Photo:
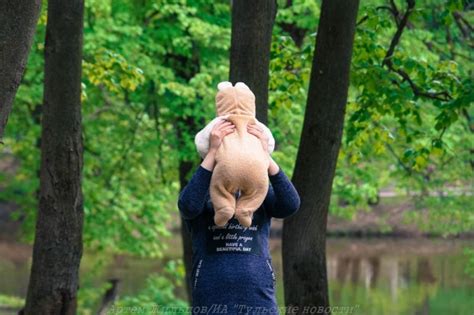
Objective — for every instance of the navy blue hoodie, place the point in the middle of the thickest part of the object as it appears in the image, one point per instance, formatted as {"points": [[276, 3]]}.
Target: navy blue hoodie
{"points": [[232, 269]]}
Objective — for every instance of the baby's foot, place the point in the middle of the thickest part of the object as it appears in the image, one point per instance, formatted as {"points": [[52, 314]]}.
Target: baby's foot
{"points": [[223, 215], [244, 217]]}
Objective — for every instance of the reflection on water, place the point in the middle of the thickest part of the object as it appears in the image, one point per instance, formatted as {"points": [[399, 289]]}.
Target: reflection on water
{"points": [[376, 276], [400, 276], [396, 276]]}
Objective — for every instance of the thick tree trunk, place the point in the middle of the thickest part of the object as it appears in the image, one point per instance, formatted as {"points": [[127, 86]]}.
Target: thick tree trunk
{"points": [[57, 250], [304, 234], [18, 20], [252, 24]]}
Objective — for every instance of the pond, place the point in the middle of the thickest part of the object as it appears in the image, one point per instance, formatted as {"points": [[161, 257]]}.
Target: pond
{"points": [[372, 275]]}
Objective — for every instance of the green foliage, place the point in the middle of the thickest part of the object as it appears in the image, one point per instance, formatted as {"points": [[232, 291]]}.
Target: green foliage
{"points": [[414, 134], [469, 252], [356, 188], [90, 293], [444, 216], [11, 301], [413, 129], [301, 14], [150, 71], [149, 76], [111, 70], [147, 65], [289, 74], [158, 296], [383, 94]]}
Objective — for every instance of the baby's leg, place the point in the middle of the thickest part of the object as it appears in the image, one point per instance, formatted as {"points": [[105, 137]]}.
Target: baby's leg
{"points": [[251, 199], [222, 197]]}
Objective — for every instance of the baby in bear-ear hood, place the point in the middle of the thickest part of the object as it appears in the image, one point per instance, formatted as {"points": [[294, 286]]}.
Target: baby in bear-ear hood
{"points": [[244, 104], [241, 161]]}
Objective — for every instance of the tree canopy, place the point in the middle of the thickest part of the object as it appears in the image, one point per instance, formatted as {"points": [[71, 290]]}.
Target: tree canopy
{"points": [[408, 121]]}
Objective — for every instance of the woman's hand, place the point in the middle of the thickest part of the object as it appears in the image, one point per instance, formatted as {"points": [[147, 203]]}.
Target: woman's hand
{"points": [[221, 129], [257, 131]]}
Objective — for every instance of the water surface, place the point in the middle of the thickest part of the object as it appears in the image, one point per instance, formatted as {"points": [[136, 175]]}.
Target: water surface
{"points": [[379, 276]]}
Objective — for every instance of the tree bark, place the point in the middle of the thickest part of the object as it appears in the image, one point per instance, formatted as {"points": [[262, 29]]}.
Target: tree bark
{"points": [[18, 24], [252, 24], [304, 234], [57, 250]]}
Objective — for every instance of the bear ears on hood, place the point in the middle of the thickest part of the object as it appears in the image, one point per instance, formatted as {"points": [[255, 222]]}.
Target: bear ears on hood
{"points": [[226, 84], [236, 100]]}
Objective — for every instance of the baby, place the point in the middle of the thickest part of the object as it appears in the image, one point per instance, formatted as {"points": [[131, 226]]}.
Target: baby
{"points": [[202, 137], [241, 162]]}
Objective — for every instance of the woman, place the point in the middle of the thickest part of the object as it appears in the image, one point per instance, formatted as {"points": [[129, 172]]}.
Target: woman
{"points": [[232, 268]]}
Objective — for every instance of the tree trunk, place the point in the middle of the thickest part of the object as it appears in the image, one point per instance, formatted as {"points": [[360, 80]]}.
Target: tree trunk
{"points": [[252, 24], [18, 24], [304, 234], [57, 250]]}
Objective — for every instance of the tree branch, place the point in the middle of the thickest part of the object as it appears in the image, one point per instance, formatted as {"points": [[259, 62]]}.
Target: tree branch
{"points": [[387, 61], [463, 25], [398, 34]]}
